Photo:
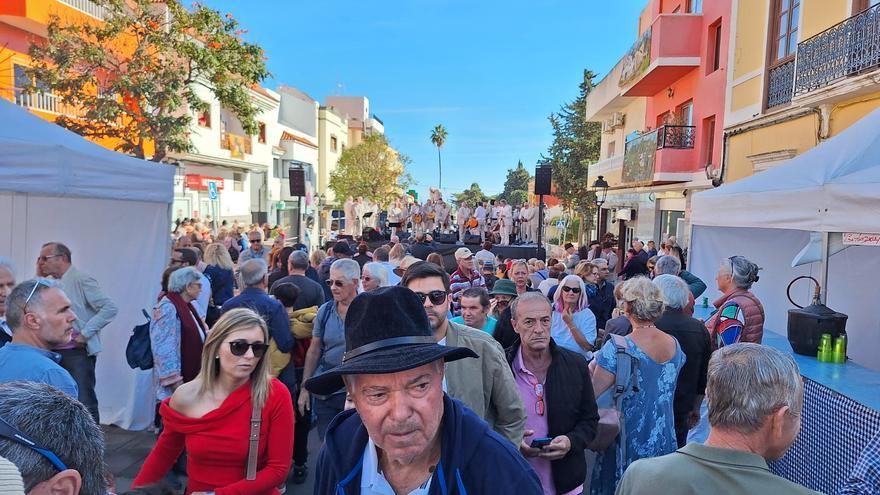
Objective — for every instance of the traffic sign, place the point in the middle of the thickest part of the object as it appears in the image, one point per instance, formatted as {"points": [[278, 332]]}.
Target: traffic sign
{"points": [[212, 190], [560, 224]]}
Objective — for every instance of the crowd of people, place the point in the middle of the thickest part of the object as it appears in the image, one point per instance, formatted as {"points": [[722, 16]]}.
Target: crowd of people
{"points": [[582, 373]]}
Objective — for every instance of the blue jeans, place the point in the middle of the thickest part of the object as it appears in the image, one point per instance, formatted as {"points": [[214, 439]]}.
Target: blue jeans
{"points": [[327, 409]]}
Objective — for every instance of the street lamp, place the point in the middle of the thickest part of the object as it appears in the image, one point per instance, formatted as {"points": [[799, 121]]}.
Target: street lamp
{"points": [[600, 188]]}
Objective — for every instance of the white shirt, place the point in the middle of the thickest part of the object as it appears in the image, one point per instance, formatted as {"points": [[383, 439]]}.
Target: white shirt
{"points": [[480, 213], [4, 327], [373, 482]]}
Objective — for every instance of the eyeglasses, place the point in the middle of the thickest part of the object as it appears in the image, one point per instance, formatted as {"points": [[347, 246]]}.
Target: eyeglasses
{"points": [[366, 279], [255, 240], [10, 433], [337, 283], [43, 259], [576, 290], [539, 393], [437, 297], [40, 282], [240, 348]]}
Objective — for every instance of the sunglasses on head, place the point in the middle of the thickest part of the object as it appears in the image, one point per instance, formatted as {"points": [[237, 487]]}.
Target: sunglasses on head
{"points": [[576, 290], [337, 283], [240, 348], [436, 297], [40, 282], [8, 432]]}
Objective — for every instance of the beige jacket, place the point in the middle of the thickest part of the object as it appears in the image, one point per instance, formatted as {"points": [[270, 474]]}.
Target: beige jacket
{"points": [[485, 385]]}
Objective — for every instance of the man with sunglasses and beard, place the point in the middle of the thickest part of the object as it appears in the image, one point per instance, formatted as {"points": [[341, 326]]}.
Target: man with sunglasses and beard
{"points": [[42, 318], [328, 342], [483, 384]]}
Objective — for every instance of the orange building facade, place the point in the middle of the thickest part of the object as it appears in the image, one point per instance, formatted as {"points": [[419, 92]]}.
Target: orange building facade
{"points": [[662, 109]]}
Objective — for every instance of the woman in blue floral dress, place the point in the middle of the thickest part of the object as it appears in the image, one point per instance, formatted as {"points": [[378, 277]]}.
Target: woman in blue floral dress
{"points": [[647, 405]]}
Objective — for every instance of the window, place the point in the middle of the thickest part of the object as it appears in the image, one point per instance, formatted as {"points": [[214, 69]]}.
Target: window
{"points": [[784, 29], [685, 113], [205, 118], [21, 80], [664, 118], [611, 147], [261, 133], [333, 143], [237, 182], [695, 7], [714, 62], [860, 5], [709, 139]]}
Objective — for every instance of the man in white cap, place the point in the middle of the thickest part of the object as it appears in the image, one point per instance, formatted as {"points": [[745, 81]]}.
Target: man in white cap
{"points": [[464, 277]]}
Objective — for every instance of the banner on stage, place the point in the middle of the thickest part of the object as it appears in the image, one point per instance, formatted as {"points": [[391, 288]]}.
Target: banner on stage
{"points": [[861, 239]]}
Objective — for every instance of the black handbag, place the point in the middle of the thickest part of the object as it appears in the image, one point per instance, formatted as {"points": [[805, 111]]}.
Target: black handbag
{"points": [[139, 351]]}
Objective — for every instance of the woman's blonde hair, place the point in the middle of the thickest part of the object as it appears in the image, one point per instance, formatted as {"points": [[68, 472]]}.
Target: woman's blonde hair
{"points": [[216, 254], [397, 253], [231, 321], [318, 256], [642, 298]]}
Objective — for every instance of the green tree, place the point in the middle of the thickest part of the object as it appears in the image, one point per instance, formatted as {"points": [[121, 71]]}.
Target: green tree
{"points": [[517, 180], [438, 137], [132, 79], [472, 195], [373, 170], [575, 146]]}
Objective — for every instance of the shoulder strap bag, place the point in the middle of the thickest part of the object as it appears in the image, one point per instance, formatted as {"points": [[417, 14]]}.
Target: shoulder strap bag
{"points": [[611, 424], [254, 442]]}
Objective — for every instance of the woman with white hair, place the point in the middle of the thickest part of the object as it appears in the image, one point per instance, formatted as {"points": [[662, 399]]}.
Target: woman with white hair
{"points": [[177, 333], [740, 315], [646, 407], [373, 276], [574, 325]]}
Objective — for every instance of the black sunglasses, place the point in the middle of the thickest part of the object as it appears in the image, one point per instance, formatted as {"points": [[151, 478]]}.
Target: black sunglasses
{"points": [[436, 297], [256, 240], [10, 433], [240, 348], [337, 283], [576, 290]]}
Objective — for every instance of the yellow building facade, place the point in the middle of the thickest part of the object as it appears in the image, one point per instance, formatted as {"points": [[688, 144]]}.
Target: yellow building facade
{"points": [[801, 71]]}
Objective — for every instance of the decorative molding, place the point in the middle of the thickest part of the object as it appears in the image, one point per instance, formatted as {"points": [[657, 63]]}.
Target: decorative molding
{"points": [[764, 161]]}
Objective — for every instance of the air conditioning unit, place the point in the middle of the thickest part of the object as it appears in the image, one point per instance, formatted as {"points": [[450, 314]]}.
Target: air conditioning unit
{"points": [[617, 119], [607, 126]]}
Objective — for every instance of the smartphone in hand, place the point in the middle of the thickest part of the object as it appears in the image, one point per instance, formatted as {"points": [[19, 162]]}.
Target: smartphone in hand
{"points": [[540, 443]]}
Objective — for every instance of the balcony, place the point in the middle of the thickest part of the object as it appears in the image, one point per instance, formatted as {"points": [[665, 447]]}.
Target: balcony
{"points": [[45, 102], [843, 50], [665, 52], [780, 83], [86, 6], [605, 98], [237, 145], [665, 154], [33, 15]]}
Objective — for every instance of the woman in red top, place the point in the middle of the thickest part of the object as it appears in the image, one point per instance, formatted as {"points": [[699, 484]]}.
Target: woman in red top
{"points": [[210, 416]]}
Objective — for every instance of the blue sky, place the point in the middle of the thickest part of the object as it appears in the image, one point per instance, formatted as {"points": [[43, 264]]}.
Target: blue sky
{"points": [[490, 71]]}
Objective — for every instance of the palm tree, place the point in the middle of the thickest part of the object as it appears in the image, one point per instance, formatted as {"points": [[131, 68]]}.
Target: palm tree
{"points": [[438, 137]]}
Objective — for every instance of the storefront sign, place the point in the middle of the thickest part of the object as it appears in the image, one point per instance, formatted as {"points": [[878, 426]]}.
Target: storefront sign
{"points": [[860, 239], [200, 182]]}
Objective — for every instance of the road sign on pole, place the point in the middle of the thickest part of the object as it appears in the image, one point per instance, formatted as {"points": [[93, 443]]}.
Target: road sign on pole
{"points": [[212, 191]]}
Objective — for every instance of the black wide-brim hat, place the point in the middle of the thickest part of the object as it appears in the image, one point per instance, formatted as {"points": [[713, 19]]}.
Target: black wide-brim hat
{"points": [[386, 331]]}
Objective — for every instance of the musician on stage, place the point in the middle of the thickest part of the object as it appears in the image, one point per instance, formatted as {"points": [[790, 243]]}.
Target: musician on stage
{"points": [[480, 214], [396, 217], [430, 215], [505, 217], [527, 214], [348, 210], [443, 215], [462, 216], [415, 215]]}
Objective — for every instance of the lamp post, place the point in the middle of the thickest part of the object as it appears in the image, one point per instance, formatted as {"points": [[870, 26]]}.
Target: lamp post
{"points": [[600, 188]]}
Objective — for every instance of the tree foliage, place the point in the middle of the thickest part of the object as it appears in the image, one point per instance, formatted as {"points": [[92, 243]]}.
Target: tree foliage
{"points": [[472, 195], [576, 145], [373, 170], [516, 186], [132, 79]]}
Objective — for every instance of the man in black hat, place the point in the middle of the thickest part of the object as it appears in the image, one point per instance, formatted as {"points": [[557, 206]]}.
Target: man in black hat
{"points": [[480, 384], [405, 435]]}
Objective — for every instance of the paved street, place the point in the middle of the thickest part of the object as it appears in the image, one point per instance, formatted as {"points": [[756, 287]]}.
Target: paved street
{"points": [[127, 450]]}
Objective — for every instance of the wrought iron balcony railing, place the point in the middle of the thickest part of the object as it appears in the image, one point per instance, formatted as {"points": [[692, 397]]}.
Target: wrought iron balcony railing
{"points": [[676, 137], [842, 50], [780, 85]]}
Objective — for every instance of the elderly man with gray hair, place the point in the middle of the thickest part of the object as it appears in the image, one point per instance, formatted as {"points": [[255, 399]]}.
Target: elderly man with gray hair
{"points": [[310, 292], [755, 397], [52, 440], [694, 341], [7, 283], [254, 275], [671, 265]]}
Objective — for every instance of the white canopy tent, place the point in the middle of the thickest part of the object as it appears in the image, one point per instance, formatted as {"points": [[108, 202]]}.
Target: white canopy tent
{"points": [[112, 211], [769, 217]]}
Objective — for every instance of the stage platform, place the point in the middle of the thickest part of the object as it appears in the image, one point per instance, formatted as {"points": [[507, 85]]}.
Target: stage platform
{"points": [[448, 251]]}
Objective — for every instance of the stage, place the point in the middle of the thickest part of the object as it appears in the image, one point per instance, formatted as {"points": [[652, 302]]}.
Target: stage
{"points": [[447, 250]]}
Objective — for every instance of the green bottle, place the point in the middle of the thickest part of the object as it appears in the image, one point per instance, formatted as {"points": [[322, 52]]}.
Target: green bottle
{"points": [[825, 354], [839, 354]]}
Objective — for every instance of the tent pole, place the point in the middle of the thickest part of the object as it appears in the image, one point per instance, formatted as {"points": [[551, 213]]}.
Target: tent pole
{"points": [[823, 273]]}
